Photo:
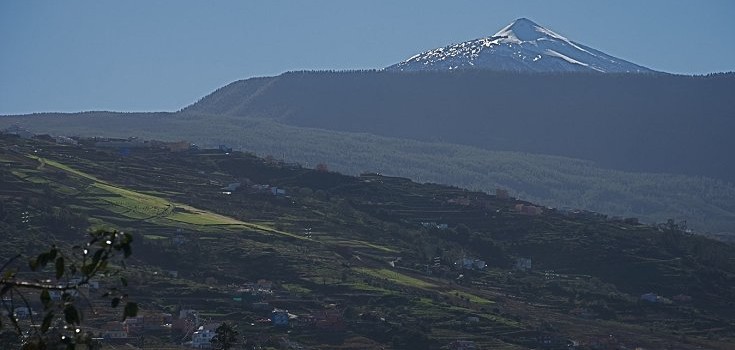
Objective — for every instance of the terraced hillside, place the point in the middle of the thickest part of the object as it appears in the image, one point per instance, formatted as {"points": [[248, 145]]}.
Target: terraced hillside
{"points": [[361, 262]]}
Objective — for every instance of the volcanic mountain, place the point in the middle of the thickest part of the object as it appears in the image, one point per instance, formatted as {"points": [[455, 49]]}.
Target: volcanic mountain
{"points": [[522, 46]]}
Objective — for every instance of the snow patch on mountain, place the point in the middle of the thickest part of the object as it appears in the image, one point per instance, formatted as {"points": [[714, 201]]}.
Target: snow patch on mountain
{"points": [[520, 46]]}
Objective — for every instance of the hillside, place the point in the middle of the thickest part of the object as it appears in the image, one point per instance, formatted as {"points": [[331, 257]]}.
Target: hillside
{"points": [[633, 122], [707, 204], [368, 261]]}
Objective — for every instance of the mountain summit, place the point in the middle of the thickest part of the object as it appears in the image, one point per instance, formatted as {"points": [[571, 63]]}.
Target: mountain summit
{"points": [[522, 46]]}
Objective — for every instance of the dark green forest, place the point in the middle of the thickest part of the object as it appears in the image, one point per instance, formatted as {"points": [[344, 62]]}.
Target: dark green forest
{"points": [[634, 122]]}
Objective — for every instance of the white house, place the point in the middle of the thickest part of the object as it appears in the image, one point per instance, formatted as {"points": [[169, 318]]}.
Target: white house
{"points": [[650, 297], [202, 338]]}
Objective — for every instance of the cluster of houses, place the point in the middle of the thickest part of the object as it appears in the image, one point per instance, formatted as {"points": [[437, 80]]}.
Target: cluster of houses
{"points": [[470, 264], [202, 334], [133, 327], [434, 225], [18, 131], [254, 188], [202, 338], [657, 299]]}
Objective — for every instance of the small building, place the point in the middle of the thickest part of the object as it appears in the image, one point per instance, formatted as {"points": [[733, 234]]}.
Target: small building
{"points": [[523, 264], [650, 297], [202, 338], [55, 295], [279, 317], [93, 284], [278, 191], [114, 330]]}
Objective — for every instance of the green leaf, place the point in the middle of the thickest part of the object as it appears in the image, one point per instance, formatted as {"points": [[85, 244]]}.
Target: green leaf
{"points": [[131, 310], [71, 315], [47, 321], [59, 267], [43, 259], [9, 273], [45, 298]]}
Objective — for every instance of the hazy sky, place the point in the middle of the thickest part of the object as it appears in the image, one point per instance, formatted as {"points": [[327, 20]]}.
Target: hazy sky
{"points": [[163, 55]]}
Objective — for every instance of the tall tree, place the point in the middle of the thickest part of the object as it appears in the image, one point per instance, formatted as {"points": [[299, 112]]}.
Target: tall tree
{"points": [[60, 293], [225, 338]]}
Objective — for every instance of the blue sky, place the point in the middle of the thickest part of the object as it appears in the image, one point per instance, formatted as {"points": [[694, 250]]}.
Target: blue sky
{"points": [[163, 55]]}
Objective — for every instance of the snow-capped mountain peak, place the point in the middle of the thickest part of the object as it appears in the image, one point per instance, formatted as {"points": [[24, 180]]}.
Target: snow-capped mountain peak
{"points": [[524, 29], [520, 46]]}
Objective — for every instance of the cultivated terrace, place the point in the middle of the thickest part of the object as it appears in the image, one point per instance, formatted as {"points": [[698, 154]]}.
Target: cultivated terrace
{"points": [[294, 257]]}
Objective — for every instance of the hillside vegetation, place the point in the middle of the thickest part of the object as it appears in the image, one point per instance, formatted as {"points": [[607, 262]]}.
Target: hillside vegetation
{"points": [[707, 204], [364, 262]]}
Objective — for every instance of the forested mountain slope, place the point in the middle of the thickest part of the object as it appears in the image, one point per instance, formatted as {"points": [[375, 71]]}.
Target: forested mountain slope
{"points": [[635, 122], [648, 146], [707, 204]]}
